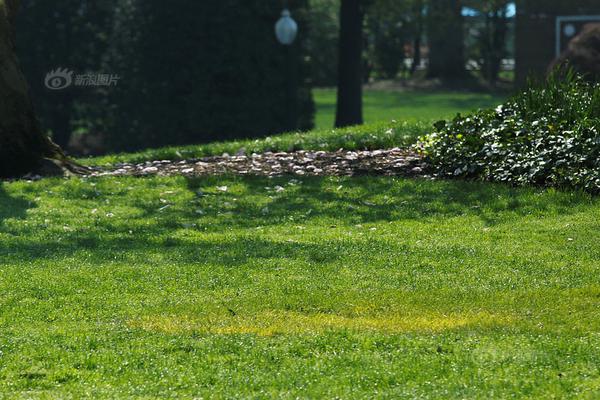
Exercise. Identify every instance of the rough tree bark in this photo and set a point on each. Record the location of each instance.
(23, 146)
(349, 97)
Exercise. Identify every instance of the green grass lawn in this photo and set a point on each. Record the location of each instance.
(408, 106)
(365, 287)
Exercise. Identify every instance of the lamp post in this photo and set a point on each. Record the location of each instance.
(286, 31)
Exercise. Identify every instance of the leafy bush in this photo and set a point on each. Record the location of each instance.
(547, 135)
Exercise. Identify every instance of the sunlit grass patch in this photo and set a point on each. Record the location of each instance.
(275, 322)
(406, 105)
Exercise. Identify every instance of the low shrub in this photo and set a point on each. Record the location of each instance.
(547, 135)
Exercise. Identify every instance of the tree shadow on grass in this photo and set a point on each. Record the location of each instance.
(178, 233)
(361, 199)
(371, 199)
(161, 248)
(12, 207)
(357, 200)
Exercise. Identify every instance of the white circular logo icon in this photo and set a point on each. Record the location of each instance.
(59, 79)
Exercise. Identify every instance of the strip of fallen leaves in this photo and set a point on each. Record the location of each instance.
(395, 161)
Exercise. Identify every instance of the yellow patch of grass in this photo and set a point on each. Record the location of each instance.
(269, 323)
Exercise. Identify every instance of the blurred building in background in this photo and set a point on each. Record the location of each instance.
(544, 30)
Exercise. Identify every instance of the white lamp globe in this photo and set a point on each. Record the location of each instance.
(286, 29)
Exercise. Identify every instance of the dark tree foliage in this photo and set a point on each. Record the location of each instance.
(490, 46)
(199, 71)
(493, 41)
(446, 39)
(323, 42)
(70, 34)
(388, 34)
(394, 30)
(390, 25)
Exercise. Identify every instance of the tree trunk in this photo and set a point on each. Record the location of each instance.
(349, 96)
(22, 144)
(418, 14)
(494, 49)
(446, 46)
